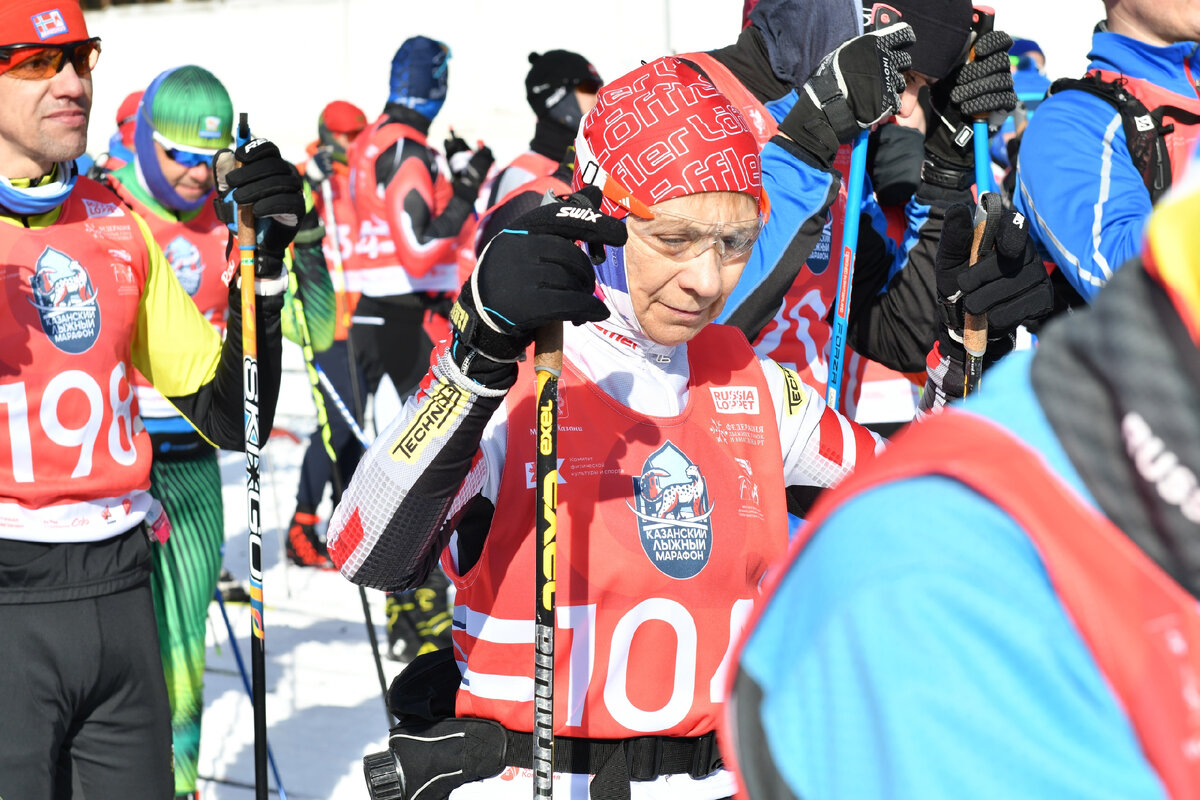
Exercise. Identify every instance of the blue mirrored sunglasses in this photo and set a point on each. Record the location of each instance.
(186, 158)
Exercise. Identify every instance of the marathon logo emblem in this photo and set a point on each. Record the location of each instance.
(96, 209)
(65, 300)
(184, 258)
(49, 23)
(792, 390)
(672, 507)
(818, 259)
(432, 420)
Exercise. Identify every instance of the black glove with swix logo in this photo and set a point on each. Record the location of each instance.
(532, 273)
(855, 86)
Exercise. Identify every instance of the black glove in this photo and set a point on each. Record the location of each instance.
(468, 180)
(455, 145)
(982, 86)
(1009, 283)
(320, 166)
(855, 86)
(272, 188)
(530, 274)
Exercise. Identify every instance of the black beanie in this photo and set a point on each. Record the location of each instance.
(942, 27)
(554, 70)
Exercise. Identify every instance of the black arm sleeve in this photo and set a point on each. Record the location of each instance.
(416, 507)
(894, 162)
(216, 407)
(898, 327)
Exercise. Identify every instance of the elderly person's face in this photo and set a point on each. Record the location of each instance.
(683, 264)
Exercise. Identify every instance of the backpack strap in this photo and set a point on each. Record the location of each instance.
(1145, 135)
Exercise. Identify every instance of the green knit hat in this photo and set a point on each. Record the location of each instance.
(189, 106)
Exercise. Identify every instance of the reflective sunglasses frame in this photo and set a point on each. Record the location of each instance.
(82, 55)
(183, 156)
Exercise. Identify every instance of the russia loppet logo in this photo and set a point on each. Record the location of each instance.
(184, 258)
(673, 510)
(65, 299)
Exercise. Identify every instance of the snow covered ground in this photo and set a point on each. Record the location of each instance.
(324, 707)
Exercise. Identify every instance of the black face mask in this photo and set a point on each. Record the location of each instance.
(566, 112)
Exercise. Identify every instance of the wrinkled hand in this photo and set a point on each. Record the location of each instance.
(982, 87)
(854, 87)
(256, 175)
(530, 274)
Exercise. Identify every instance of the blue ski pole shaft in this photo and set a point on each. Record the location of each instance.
(983, 159)
(237, 655)
(983, 19)
(841, 311)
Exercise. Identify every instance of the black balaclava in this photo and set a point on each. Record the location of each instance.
(550, 90)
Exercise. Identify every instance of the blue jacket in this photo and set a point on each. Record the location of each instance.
(800, 191)
(1030, 86)
(1085, 200)
(861, 655)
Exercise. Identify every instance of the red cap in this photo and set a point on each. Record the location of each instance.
(41, 21)
(127, 116)
(343, 117)
(664, 131)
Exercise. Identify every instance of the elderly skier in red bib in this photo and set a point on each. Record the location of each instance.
(675, 443)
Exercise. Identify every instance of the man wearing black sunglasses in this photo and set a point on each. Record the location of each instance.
(88, 297)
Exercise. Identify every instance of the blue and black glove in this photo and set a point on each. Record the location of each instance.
(854, 87)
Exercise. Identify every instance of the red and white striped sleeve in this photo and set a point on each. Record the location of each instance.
(820, 445)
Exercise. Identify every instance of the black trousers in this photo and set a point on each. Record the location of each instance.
(83, 703)
(388, 340)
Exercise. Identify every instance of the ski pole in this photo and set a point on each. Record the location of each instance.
(987, 217)
(983, 19)
(237, 655)
(339, 270)
(335, 475)
(547, 364)
(247, 240)
(881, 17)
(841, 310)
(340, 405)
